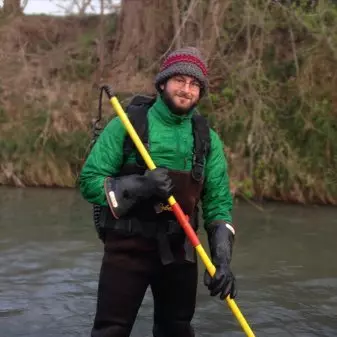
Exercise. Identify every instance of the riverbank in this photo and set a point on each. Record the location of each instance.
(272, 99)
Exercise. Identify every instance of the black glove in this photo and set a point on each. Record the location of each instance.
(124, 192)
(159, 182)
(221, 238)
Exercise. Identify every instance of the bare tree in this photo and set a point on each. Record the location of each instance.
(112, 6)
(210, 32)
(144, 32)
(12, 7)
(176, 22)
(81, 7)
(78, 7)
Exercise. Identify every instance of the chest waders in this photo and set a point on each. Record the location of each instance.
(152, 219)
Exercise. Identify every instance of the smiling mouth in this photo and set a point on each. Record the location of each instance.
(181, 98)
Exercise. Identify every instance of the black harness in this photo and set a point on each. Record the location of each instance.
(137, 113)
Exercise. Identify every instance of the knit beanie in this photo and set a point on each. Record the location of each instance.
(185, 61)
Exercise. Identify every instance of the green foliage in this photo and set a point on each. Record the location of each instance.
(87, 39)
(276, 109)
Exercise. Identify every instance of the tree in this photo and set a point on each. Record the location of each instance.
(12, 7)
(144, 31)
(149, 28)
(78, 7)
(84, 7)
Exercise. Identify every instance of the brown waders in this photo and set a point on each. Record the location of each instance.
(131, 264)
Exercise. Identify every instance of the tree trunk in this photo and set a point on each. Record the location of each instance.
(176, 23)
(212, 25)
(144, 32)
(191, 21)
(12, 7)
(148, 29)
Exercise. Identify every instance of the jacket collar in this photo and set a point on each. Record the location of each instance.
(161, 111)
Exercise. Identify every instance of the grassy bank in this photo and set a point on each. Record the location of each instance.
(273, 98)
(275, 105)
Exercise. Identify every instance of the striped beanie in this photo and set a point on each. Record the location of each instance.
(185, 61)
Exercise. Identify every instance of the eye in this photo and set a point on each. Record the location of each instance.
(195, 84)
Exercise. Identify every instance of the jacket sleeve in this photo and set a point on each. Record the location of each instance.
(216, 197)
(104, 159)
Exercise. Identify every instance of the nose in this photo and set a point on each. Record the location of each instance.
(187, 86)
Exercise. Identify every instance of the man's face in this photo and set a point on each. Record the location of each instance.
(183, 92)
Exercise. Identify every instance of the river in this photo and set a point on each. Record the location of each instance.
(284, 261)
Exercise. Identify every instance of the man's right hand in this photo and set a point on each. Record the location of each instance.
(159, 182)
(123, 193)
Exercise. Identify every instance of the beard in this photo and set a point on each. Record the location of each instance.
(167, 98)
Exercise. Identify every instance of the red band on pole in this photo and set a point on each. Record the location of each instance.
(182, 218)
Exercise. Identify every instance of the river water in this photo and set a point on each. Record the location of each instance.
(284, 260)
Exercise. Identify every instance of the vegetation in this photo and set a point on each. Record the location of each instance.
(272, 96)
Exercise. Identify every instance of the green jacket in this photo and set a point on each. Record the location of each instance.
(171, 145)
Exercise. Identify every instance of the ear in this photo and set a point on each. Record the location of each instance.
(162, 86)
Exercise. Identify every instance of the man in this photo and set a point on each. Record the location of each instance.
(144, 245)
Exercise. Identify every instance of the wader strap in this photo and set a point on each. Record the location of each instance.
(190, 254)
(201, 145)
(137, 114)
(96, 212)
(164, 247)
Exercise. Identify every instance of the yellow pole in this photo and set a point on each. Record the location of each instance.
(176, 208)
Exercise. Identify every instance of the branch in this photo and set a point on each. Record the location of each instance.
(190, 10)
(176, 22)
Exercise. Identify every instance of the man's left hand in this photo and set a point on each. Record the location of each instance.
(221, 239)
(223, 282)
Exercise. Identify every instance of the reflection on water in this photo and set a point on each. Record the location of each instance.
(50, 259)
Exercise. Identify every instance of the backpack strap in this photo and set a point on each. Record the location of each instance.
(202, 141)
(137, 114)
